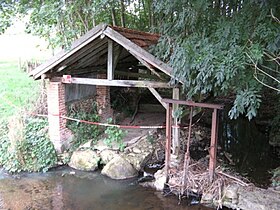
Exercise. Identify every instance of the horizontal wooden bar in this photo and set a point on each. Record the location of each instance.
(119, 83)
(191, 103)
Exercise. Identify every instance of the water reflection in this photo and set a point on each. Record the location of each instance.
(61, 190)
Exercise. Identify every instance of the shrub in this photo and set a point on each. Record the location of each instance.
(34, 152)
(114, 135)
(83, 132)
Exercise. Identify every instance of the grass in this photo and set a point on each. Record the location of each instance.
(17, 90)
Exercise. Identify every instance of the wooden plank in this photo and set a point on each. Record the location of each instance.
(90, 50)
(213, 145)
(138, 51)
(191, 103)
(120, 83)
(168, 141)
(110, 60)
(79, 44)
(158, 97)
(100, 56)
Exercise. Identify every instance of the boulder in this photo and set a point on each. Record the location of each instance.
(85, 160)
(107, 155)
(100, 146)
(159, 180)
(139, 153)
(138, 160)
(119, 168)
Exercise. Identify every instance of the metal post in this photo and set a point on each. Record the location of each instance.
(168, 140)
(213, 144)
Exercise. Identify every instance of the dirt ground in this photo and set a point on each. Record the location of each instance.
(142, 119)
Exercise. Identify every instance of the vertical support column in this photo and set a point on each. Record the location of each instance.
(213, 145)
(168, 140)
(59, 134)
(110, 63)
(175, 130)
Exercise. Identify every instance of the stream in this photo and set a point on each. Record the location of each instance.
(65, 188)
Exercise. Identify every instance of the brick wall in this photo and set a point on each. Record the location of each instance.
(103, 100)
(59, 134)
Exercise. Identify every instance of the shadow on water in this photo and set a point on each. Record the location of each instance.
(62, 189)
(248, 148)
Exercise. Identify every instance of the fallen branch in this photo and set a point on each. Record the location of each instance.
(234, 178)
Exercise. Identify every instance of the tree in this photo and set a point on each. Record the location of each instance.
(221, 47)
(61, 22)
(7, 12)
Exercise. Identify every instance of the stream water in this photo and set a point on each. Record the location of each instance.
(68, 189)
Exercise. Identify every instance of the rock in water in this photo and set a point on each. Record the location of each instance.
(119, 168)
(107, 155)
(85, 160)
(159, 180)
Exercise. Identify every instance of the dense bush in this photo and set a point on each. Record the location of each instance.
(32, 152)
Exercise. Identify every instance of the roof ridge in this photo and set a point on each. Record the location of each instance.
(133, 30)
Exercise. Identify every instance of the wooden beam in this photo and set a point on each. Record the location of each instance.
(95, 48)
(191, 103)
(79, 44)
(110, 62)
(168, 141)
(136, 50)
(146, 64)
(213, 145)
(119, 83)
(158, 97)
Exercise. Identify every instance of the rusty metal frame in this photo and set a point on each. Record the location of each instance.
(214, 133)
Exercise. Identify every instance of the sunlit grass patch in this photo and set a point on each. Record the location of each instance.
(17, 90)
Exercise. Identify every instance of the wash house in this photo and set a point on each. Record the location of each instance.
(103, 58)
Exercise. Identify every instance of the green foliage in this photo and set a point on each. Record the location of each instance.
(34, 152)
(83, 132)
(7, 11)
(38, 152)
(114, 135)
(61, 22)
(215, 46)
(151, 139)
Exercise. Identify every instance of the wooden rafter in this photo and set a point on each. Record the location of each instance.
(158, 97)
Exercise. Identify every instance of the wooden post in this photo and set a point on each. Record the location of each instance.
(110, 63)
(176, 131)
(168, 141)
(213, 145)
